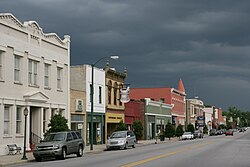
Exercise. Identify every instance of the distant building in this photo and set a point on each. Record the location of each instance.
(34, 74)
(195, 114)
(174, 97)
(209, 111)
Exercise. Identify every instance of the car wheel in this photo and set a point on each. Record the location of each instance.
(38, 159)
(133, 145)
(126, 146)
(80, 152)
(63, 156)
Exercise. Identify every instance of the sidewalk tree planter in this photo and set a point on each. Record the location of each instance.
(179, 131)
(58, 123)
(138, 129)
(121, 126)
(170, 131)
(190, 128)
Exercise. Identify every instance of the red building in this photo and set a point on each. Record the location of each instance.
(175, 97)
(220, 117)
(134, 110)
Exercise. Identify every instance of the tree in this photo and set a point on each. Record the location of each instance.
(121, 126)
(179, 131)
(58, 123)
(170, 131)
(137, 128)
(190, 128)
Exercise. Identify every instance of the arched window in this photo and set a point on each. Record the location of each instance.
(115, 93)
(109, 91)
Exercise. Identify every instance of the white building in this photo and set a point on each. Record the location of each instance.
(34, 73)
(80, 79)
(208, 117)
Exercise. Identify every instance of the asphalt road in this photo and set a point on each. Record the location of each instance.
(213, 151)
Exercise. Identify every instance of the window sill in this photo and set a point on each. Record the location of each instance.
(18, 83)
(19, 136)
(7, 136)
(48, 88)
(34, 86)
(59, 90)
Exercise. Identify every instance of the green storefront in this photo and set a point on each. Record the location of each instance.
(157, 115)
(98, 128)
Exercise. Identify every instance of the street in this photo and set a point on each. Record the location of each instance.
(212, 151)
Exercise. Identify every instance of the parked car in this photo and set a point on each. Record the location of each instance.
(187, 135)
(59, 145)
(213, 132)
(229, 132)
(198, 134)
(121, 140)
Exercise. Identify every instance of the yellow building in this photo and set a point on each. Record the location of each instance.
(114, 108)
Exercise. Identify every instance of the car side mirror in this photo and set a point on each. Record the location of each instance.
(128, 136)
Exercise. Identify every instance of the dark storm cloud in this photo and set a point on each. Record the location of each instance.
(206, 43)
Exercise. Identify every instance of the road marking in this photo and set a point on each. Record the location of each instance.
(165, 155)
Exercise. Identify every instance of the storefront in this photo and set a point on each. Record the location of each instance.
(77, 123)
(113, 120)
(98, 128)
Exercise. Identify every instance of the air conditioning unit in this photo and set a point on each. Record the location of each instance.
(79, 105)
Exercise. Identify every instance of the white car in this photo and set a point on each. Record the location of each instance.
(187, 135)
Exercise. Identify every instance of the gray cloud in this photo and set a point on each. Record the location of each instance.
(206, 43)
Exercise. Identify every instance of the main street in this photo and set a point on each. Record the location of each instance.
(216, 151)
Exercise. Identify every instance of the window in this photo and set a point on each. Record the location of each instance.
(33, 66)
(1, 65)
(17, 68)
(59, 78)
(90, 88)
(100, 95)
(74, 135)
(44, 120)
(115, 94)
(18, 119)
(109, 92)
(46, 75)
(6, 120)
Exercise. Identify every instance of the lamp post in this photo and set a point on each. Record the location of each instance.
(115, 57)
(25, 112)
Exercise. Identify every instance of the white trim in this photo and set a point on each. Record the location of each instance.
(34, 58)
(158, 115)
(18, 53)
(178, 115)
(3, 48)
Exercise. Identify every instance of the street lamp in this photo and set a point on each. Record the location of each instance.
(115, 57)
(25, 113)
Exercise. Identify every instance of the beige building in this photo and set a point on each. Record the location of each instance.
(34, 74)
(114, 107)
(194, 111)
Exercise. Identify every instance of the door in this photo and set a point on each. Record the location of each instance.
(70, 143)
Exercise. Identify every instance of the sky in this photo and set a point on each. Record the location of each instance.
(206, 43)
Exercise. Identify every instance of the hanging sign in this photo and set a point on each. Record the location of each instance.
(124, 95)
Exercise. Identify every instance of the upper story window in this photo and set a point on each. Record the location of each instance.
(59, 78)
(33, 68)
(46, 75)
(100, 95)
(115, 94)
(1, 65)
(109, 92)
(17, 69)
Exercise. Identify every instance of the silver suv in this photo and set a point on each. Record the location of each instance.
(59, 145)
(121, 139)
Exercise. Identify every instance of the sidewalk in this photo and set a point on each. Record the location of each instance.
(6, 160)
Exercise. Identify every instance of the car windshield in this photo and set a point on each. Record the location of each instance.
(55, 137)
(187, 133)
(118, 135)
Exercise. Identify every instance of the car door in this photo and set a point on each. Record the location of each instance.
(130, 138)
(75, 142)
(69, 143)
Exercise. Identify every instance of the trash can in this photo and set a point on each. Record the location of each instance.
(162, 137)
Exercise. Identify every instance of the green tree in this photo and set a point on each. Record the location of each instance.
(190, 128)
(179, 131)
(170, 131)
(138, 129)
(121, 126)
(58, 123)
